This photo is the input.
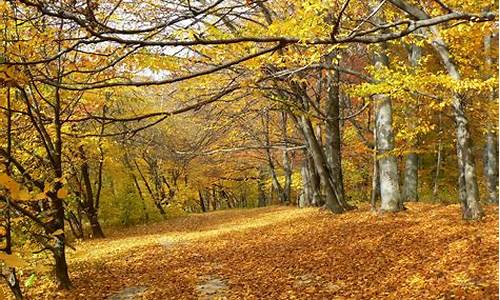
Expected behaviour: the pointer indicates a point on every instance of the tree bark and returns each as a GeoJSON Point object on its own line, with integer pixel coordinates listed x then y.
{"type": "Point", "coordinates": [490, 149]}
{"type": "Point", "coordinates": [75, 224]}
{"type": "Point", "coordinates": [11, 278]}
{"type": "Point", "coordinates": [95, 225]}
{"type": "Point", "coordinates": [375, 192]}
{"type": "Point", "coordinates": [261, 189]}
{"type": "Point", "coordinates": [491, 166]}
{"type": "Point", "coordinates": [274, 176]}
{"type": "Point", "coordinates": [13, 283]}
{"type": "Point", "coordinates": [333, 149]}
{"type": "Point", "coordinates": [315, 181]}
{"type": "Point", "coordinates": [410, 179]}
{"type": "Point", "coordinates": [214, 198]}
{"type": "Point", "coordinates": [137, 186]}
{"type": "Point", "coordinates": [388, 169]}
{"type": "Point", "coordinates": [61, 267]}
{"type": "Point", "coordinates": [139, 191]}
{"type": "Point", "coordinates": [287, 166]}
{"type": "Point", "coordinates": [150, 191]}
{"type": "Point", "coordinates": [202, 202]}
{"type": "Point", "coordinates": [321, 165]}
{"type": "Point", "coordinates": [305, 197]}
{"type": "Point", "coordinates": [438, 159]}
{"type": "Point", "coordinates": [89, 208]}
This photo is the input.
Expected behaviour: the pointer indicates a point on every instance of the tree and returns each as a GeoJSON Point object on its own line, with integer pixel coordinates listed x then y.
{"type": "Point", "coordinates": [467, 182]}
{"type": "Point", "coordinates": [388, 170]}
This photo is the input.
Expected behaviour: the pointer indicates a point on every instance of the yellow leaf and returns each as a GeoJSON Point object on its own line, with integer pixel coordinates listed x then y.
{"type": "Point", "coordinates": [40, 196]}
{"type": "Point", "coordinates": [9, 183]}
{"type": "Point", "coordinates": [62, 193]}
{"type": "Point", "coordinates": [61, 180]}
{"type": "Point", "coordinates": [47, 186]}
{"type": "Point", "coordinates": [58, 232]}
{"type": "Point", "coordinates": [42, 268]}
{"type": "Point", "coordinates": [12, 260]}
{"type": "Point", "coordinates": [22, 195]}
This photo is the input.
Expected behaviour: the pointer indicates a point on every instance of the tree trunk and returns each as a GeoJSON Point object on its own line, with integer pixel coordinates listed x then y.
{"type": "Point", "coordinates": [13, 283]}
{"type": "Point", "coordinates": [387, 163]}
{"type": "Point", "coordinates": [317, 199]}
{"type": "Point", "coordinates": [321, 165]}
{"type": "Point", "coordinates": [261, 188]}
{"type": "Point", "coordinates": [61, 267]}
{"type": "Point", "coordinates": [410, 179]}
{"type": "Point", "coordinates": [75, 224]}
{"type": "Point", "coordinates": [12, 280]}
{"type": "Point", "coordinates": [139, 191]}
{"type": "Point", "coordinates": [89, 209]}
{"type": "Point", "coordinates": [490, 149]}
{"type": "Point", "coordinates": [410, 182]}
{"type": "Point", "coordinates": [161, 209]}
{"type": "Point", "coordinates": [305, 197]}
{"type": "Point", "coordinates": [150, 191]}
{"type": "Point", "coordinates": [491, 167]}
{"type": "Point", "coordinates": [375, 192]}
{"type": "Point", "coordinates": [95, 225]}
{"type": "Point", "coordinates": [287, 166]}
{"type": "Point", "coordinates": [202, 202]}
{"type": "Point", "coordinates": [333, 139]}
{"type": "Point", "coordinates": [274, 176]}
{"type": "Point", "coordinates": [214, 198]}
{"type": "Point", "coordinates": [438, 159]}
{"type": "Point", "coordinates": [11, 277]}
{"type": "Point", "coordinates": [388, 168]}
{"type": "Point", "coordinates": [467, 182]}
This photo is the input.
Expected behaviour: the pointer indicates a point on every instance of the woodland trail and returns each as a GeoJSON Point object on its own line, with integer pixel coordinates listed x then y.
{"type": "Point", "coordinates": [288, 253]}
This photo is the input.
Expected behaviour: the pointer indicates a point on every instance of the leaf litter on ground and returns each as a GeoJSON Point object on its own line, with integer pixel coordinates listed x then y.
{"type": "Point", "coordinates": [290, 253]}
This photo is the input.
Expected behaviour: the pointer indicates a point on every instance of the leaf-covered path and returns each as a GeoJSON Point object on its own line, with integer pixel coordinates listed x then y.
{"type": "Point", "coordinates": [288, 253]}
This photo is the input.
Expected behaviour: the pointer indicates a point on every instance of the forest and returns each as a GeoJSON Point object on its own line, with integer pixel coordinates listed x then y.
{"type": "Point", "coordinates": [256, 149]}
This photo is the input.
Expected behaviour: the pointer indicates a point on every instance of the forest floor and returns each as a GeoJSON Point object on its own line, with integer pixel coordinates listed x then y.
{"type": "Point", "coordinates": [289, 253]}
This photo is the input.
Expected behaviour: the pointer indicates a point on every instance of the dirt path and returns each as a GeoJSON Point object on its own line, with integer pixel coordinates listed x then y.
{"type": "Point", "coordinates": [287, 253]}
